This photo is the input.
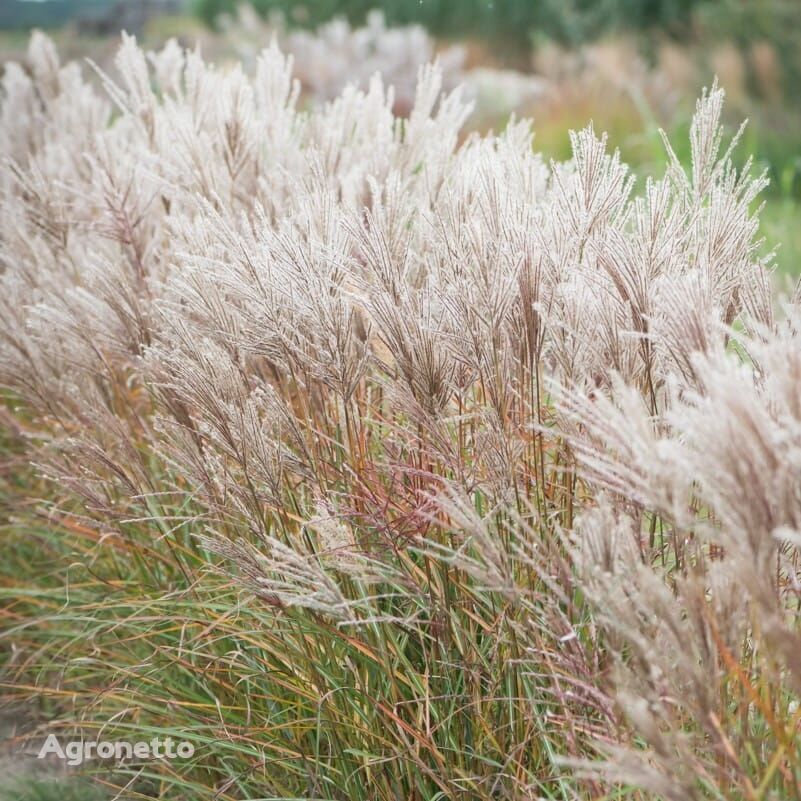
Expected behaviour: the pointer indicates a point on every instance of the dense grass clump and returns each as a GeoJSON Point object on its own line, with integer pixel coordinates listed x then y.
{"type": "Point", "coordinates": [381, 462]}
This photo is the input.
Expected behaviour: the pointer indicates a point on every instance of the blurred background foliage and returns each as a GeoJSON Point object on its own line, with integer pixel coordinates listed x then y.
{"type": "Point", "coordinates": [521, 23]}
{"type": "Point", "coordinates": [512, 21]}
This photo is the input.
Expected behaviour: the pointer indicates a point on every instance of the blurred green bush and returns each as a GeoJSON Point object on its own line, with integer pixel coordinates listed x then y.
{"type": "Point", "coordinates": [747, 24]}
{"type": "Point", "coordinates": [514, 21]}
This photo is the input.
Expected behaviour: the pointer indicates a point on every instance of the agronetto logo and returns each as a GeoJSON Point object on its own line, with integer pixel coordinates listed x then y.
{"type": "Point", "coordinates": [76, 752]}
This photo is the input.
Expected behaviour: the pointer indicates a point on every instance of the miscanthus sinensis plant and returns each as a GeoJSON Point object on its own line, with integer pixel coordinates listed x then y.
{"type": "Point", "coordinates": [337, 54]}
{"type": "Point", "coordinates": [386, 462]}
